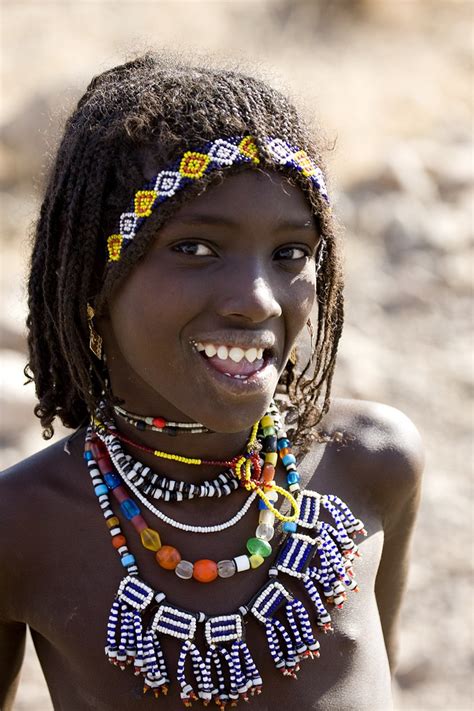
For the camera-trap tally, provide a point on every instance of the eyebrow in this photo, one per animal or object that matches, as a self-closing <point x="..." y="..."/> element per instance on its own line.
<point x="220" y="220"/>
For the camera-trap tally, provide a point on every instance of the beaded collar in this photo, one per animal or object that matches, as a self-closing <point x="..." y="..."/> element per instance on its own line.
<point x="314" y="552"/>
<point x="193" y="165"/>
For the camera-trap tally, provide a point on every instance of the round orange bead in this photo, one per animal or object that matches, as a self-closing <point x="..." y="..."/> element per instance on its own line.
<point x="284" y="452"/>
<point x="205" y="571"/>
<point x="268" y="473"/>
<point x="168" y="557"/>
<point x="118" y="541"/>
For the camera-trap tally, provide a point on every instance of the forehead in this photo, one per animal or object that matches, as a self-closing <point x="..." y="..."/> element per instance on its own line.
<point x="251" y="195"/>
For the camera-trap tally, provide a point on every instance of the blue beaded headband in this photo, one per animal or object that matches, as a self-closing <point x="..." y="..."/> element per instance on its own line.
<point x="221" y="153"/>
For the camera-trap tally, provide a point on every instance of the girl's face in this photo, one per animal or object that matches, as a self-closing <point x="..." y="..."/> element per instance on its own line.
<point x="203" y="326"/>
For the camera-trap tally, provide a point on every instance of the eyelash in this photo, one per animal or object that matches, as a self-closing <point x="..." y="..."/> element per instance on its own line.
<point x="181" y="249"/>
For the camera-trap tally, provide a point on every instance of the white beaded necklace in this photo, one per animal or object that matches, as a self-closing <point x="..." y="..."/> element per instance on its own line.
<point x="115" y="455"/>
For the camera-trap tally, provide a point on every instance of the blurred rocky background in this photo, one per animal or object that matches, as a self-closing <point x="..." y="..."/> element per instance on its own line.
<point x="390" y="81"/>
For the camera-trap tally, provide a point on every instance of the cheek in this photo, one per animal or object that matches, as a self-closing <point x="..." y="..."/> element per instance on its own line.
<point x="303" y="295"/>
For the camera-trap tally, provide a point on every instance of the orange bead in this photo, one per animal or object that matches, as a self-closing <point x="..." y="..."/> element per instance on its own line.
<point x="168" y="557"/>
<point x="284" y="452"/>
<point x="118" y="541"/>
<point x="268" y="473"/>
<point x="205" y="571"/>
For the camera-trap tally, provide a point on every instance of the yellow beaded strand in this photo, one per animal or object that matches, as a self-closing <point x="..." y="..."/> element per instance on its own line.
<point x="177" y="457"/>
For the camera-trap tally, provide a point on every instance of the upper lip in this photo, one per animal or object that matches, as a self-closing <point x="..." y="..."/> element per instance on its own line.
<point x="241" y="339"/>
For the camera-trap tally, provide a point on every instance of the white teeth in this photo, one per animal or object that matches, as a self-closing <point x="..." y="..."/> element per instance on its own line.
<point x="236" y="354"/>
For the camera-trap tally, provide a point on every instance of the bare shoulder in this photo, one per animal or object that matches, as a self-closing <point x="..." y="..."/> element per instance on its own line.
<point x="31" y="494"/>
<point x="380" y="448"/>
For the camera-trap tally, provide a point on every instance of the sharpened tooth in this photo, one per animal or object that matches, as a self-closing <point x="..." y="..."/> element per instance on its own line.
<point x="200" y="347"/>
<point x="260" y="353"/>
<point x="222" y="352"/>
<point x="236" y="354"/>
<point x="210" y="350"/>
<point x="251" y="354"/>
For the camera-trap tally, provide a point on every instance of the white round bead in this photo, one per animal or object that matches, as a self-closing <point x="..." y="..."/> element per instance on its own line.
<point x="242" y="563"/>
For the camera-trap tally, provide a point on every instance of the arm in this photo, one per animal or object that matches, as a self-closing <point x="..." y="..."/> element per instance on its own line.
<point x="12" y="631"/>
<point x="399" y="501"/>
<point x="12" y="648"/>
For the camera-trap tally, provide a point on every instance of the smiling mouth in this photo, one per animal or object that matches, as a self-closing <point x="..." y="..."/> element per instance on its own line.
<point x="234" y="361"/>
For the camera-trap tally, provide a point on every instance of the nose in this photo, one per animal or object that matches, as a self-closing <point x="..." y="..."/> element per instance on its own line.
<point x="251" y="299"/>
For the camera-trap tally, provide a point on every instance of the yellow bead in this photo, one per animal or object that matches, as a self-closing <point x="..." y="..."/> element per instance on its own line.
<point x="112" y="522"/>
<point x="271" y="458"/>
<point x="255" y="560"/>
<point x="150" y="539"/>
<point x="267" y="421"/>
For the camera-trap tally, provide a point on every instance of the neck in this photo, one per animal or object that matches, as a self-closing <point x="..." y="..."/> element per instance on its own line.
<point x="210" y="446"/>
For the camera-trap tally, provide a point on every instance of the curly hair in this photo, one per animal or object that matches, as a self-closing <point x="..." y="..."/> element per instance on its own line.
<point x="133" y="120"/>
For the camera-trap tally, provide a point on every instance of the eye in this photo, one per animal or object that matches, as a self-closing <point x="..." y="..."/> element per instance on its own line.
<point x="292" y="253"/>
<point x="194" y="249"/>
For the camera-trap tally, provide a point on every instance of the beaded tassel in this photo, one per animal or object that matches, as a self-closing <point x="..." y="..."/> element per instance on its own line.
<point x="287" y="644"/>
<point x="124" y="626"/>
<point x="201" y="674"/>
<point x="242" y="673"/>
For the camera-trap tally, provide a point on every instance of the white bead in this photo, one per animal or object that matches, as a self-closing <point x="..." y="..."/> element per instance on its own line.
<point x="242" y="563"/>
<point x="265" y="532"/>
<point x="266" y="516"/>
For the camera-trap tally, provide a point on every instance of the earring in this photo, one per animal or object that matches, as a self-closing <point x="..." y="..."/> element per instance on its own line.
<point x="95" y="339"/>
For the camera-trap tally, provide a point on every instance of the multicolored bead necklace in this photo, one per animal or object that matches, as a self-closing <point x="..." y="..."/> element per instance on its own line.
<point x="320" y="555"/>
<point x="159" y="486"/>
<point x="106" y="448"/>
<point x="160" y="424"/>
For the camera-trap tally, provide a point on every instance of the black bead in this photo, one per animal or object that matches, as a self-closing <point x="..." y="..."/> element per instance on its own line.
<point x="270" y="443"/>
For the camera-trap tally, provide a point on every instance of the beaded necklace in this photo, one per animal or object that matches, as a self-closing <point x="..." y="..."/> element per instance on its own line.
<point x="320" y="555"/>
<point x="160" y="487"/>
<point x="160" y="424"/>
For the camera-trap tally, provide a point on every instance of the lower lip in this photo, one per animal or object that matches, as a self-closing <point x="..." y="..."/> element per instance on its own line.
<point x="261" y="380"/>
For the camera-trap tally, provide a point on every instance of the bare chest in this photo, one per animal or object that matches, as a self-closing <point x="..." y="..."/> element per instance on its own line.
<point x="75" y="584"/>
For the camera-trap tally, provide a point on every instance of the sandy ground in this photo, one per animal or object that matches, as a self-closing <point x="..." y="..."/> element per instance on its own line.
<point x="391" y="83"/>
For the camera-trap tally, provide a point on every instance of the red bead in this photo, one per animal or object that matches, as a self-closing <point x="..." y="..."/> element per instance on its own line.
<point x="168" y="557"/>
<point x="139" y="523"/>
<point x="118" y="541"/>
<point x="159" y="422"/>
<point x="120" y="493"/>
<point x="268" y="473"/>
<point x="205" y="571"/>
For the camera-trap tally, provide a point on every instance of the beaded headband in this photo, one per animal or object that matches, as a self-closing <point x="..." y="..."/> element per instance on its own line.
<point x="218" y="154"/>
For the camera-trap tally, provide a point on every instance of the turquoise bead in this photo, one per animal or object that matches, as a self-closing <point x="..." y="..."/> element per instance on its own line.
<point x="257" y="546"/>
<point x="127" y="560"/>
<point x="289" y="527"/>
<point x="289" y="459"/>
<point x="293" y="477"/>
<point x="283" y="443"/>
<point x="129" y="508"/>
<point x="87" y="456"/>
<point x="100" y="489"/>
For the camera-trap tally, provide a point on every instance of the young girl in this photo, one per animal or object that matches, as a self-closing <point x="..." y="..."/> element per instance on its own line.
<point x="184" y="243"/>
